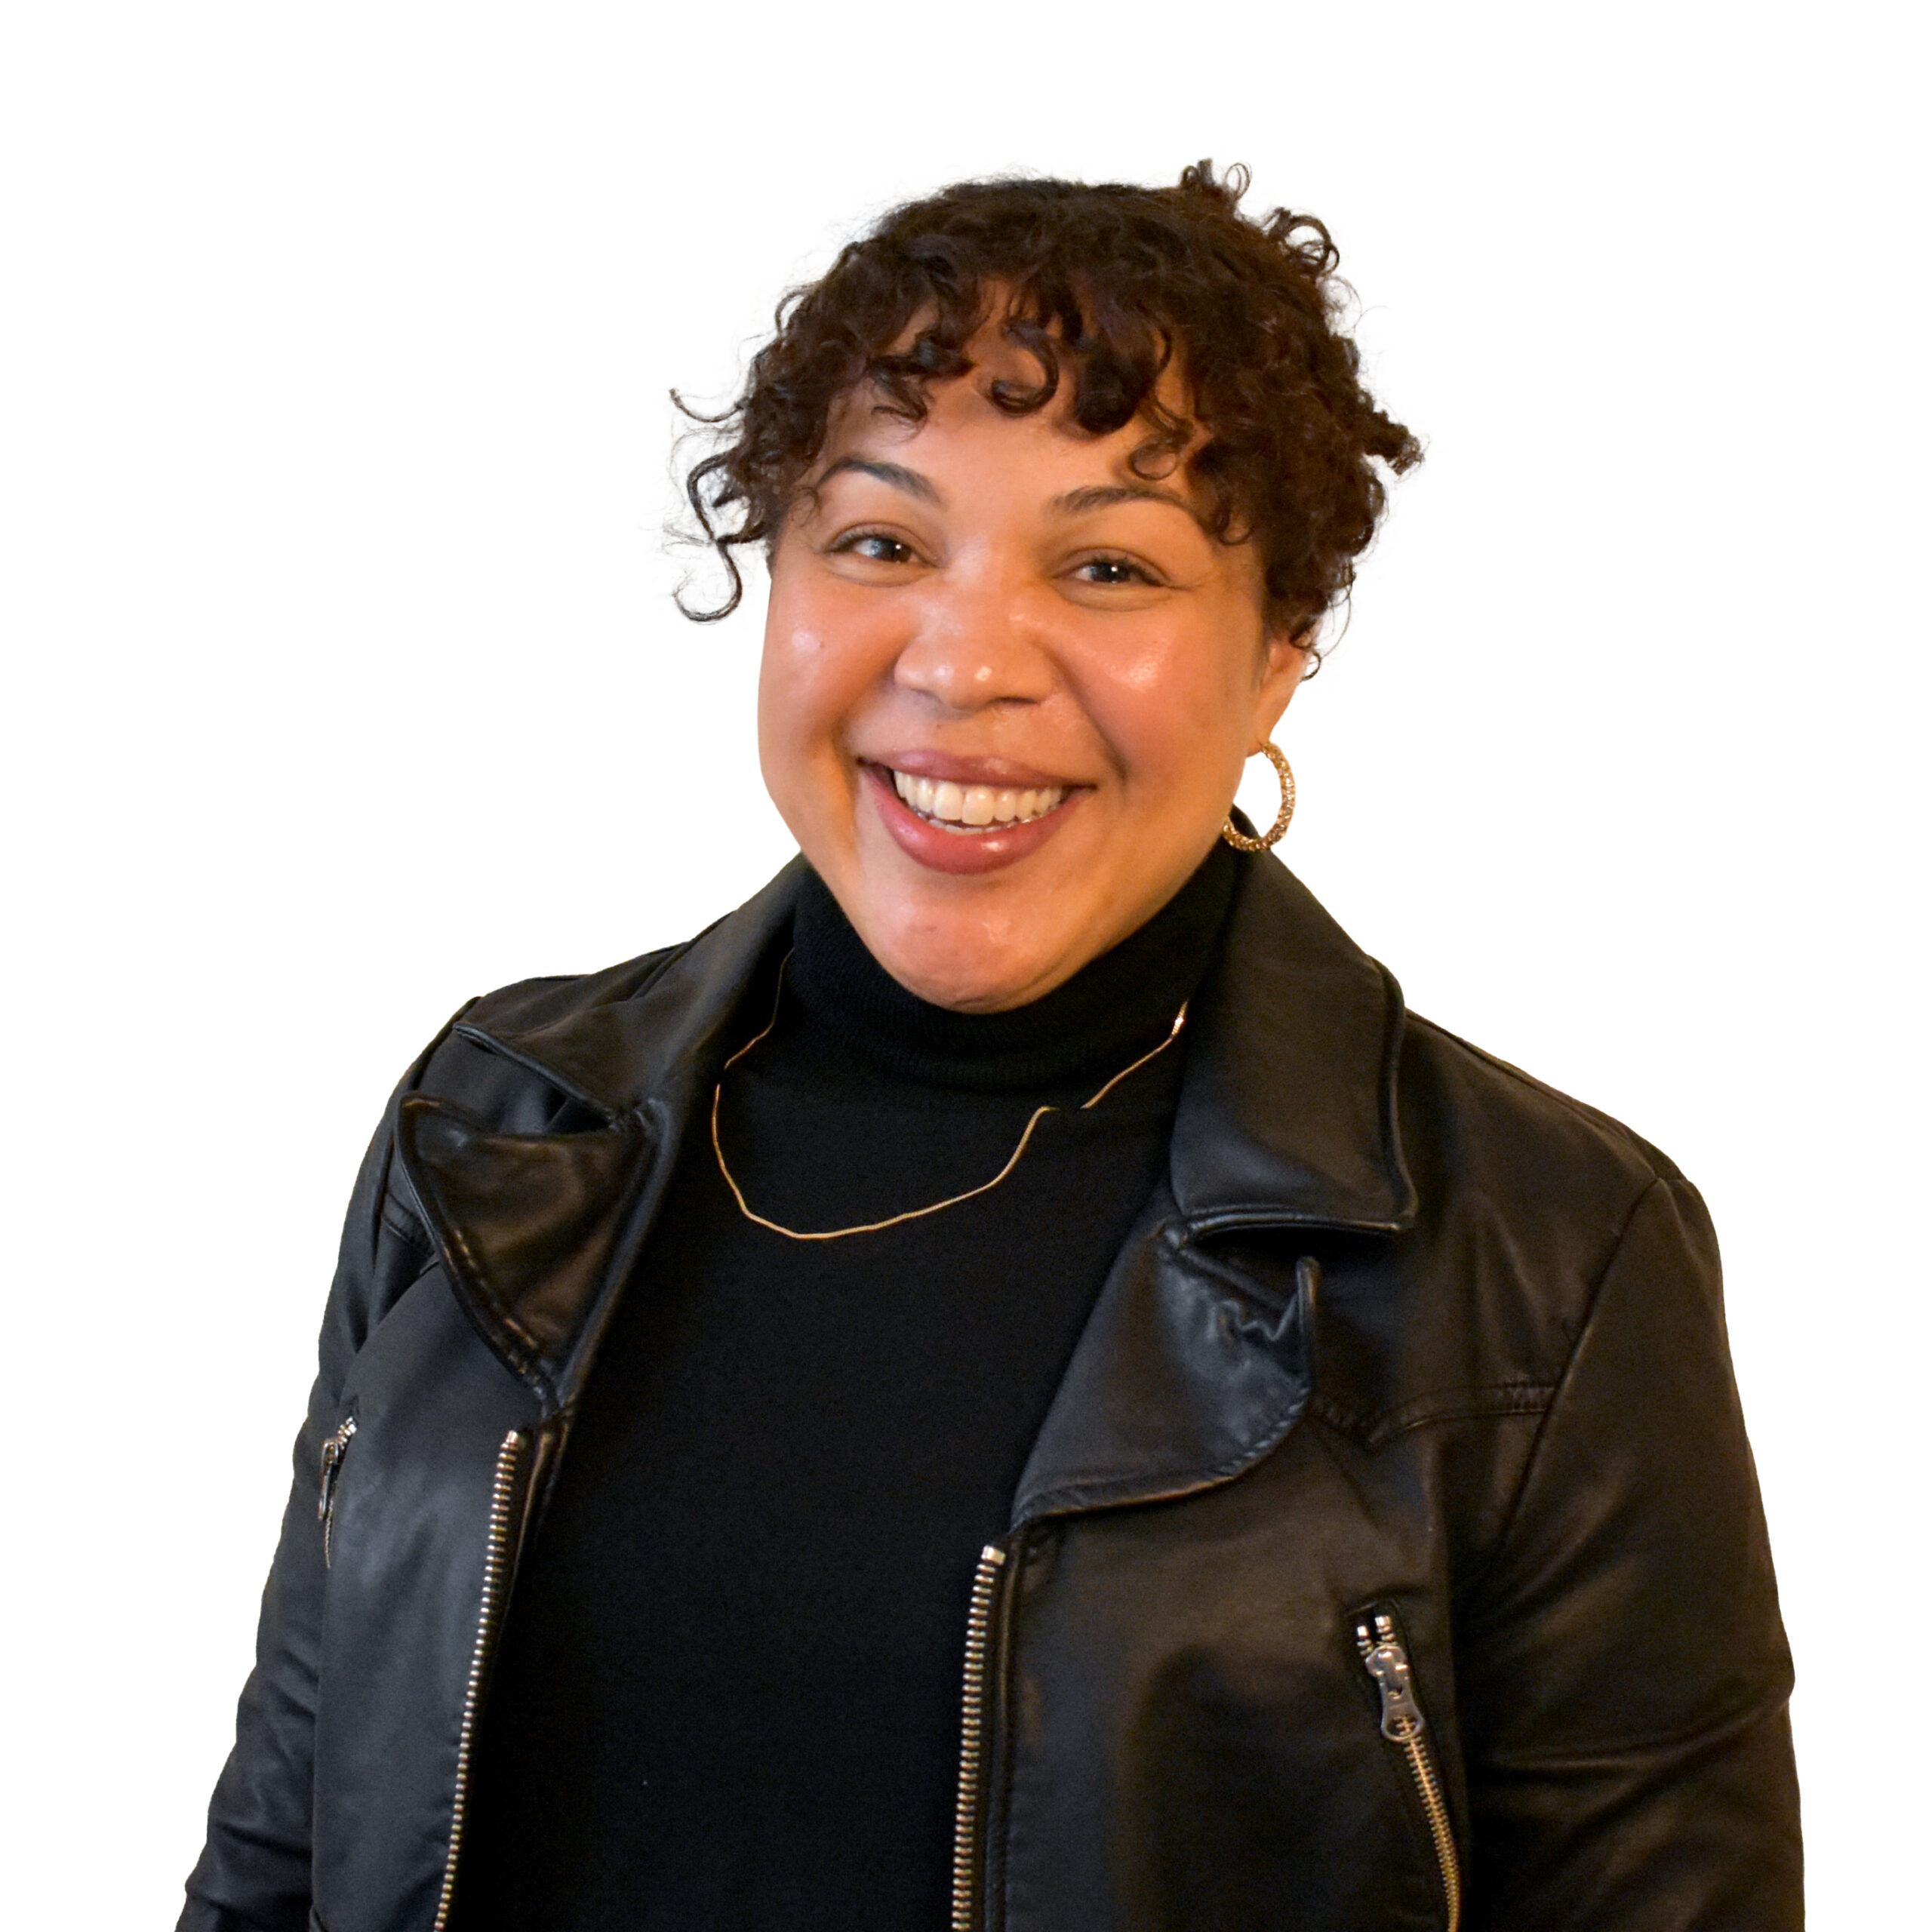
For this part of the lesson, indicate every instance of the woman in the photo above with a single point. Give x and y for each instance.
(1008, 1383)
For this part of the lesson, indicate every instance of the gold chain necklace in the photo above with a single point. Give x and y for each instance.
(911, 1214)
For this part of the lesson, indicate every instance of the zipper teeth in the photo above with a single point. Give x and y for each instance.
(972, 1733)
(1428, 1784)
(496, 1563)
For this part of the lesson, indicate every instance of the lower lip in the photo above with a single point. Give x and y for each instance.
(960, 851)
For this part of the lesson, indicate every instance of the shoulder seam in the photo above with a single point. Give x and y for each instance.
(1655, 1163)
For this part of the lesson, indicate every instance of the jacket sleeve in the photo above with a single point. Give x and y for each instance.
(252, 1874)
(1623, 1671)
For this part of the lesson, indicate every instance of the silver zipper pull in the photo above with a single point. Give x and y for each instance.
(1387, 1662)
(332, 1452)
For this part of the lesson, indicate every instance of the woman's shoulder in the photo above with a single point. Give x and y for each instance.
(1454, 1084)
(617, 1011)
(1525, 1203)
(525, 1005)
(1505, 1164)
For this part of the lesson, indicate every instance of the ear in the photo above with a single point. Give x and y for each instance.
(1283, 665)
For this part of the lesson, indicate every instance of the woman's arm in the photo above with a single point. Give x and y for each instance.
(252, 1875)
(1624, 1672)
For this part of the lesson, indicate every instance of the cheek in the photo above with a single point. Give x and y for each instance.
(802, 673)
(822, 661)
(794, 651)
(1172, 707)
(789, 672)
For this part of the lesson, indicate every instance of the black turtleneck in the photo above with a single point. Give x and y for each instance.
(728, 1695)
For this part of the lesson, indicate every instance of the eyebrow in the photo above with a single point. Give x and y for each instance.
(1071, 503)
(1099, 495)
(894, 474)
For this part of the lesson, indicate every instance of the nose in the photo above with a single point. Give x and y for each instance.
(980, 639)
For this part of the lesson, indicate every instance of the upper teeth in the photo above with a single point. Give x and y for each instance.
(963, 807)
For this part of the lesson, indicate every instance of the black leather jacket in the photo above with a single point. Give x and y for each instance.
(1391, 1555)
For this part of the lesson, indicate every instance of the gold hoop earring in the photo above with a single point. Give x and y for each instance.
(1240, 841)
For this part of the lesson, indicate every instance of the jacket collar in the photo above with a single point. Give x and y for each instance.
(1286, 1113)
(1286, 1119)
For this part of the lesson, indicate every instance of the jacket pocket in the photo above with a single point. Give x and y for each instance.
(1385, 1657)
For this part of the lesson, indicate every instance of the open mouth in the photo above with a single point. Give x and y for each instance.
(966, 809)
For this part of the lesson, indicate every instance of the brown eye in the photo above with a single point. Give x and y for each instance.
(875, 546)
(1113, 569)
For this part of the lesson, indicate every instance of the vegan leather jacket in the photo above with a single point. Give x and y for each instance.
(1391, 1556)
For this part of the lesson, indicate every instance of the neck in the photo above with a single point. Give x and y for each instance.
(1115, 1008)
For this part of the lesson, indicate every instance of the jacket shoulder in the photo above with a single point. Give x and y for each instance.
(1507, 1123)
(526, 1004)
(468, 1066)
(1525, 1197)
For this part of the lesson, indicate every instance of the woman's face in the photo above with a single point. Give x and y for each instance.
(1009, 687)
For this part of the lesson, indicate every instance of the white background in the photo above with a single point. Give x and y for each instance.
(343, 684)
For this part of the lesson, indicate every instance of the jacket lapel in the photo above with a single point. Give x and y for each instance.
(1192, 1367)
(1184, 1376)
(539, 1231)
(533, 1227)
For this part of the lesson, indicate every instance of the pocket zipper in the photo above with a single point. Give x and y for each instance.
(334, 1450)
(1386, 1660)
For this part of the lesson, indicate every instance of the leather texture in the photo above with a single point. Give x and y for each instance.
(1406, 1334)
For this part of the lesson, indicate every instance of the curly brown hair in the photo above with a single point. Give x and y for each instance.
(1123, 283)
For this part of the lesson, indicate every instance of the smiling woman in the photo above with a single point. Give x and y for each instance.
(1008, 1382)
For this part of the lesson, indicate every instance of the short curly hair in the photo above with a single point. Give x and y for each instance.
(1122, 284)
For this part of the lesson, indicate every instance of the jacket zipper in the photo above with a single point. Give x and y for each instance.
(973, 1737)
(496, 1574)
(334, 1450)
(1386, 1660)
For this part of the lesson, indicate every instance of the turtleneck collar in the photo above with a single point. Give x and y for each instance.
(1115, 1008)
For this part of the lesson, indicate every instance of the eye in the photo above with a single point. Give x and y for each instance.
(1112, 570)
(875, 546)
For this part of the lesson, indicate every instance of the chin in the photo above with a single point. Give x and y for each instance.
(951, 963)
(988, 986)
